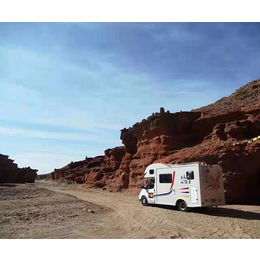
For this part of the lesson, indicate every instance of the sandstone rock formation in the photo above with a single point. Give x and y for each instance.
(10, 173)
(225, 133)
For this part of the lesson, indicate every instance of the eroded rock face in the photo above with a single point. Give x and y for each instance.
(99, 171)
(226, 135)
(238, 129)
(154, 138)
(8, 169)
(10, 173)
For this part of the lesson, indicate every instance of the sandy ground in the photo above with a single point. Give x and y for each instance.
(49, 210)
(27, 211)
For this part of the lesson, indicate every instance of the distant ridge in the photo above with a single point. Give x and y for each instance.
(245, 97)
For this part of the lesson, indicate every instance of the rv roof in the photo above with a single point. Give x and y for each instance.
(162, 165)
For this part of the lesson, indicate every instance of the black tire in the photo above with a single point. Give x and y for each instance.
(144, 201)
(182, 206)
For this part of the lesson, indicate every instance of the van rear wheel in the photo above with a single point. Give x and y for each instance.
(144, 201)
(182, 206)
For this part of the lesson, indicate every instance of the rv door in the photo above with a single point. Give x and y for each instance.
(194, 195)
(165, 189)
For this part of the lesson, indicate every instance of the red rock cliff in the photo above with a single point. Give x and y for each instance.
(226, 132)
(10, 173)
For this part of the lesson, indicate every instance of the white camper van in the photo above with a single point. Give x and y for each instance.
(183, 185)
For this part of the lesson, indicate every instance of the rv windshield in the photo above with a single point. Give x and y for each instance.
(150, 184)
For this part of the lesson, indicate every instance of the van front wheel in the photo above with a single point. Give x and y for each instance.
(144, 201)
(182, 206)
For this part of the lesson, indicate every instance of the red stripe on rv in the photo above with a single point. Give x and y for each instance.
(173, 177)
(184, 188)
(166, 165)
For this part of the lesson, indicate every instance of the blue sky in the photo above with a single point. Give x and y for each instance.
(66, 89)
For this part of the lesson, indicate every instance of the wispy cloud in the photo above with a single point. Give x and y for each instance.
(54, 135)
(176, 33)
(31, 106)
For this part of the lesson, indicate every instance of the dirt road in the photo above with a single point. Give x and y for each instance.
(121, 215)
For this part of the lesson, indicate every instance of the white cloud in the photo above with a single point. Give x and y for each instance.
(80, 107)
(21, 103)
(176, 33)
(53, 135)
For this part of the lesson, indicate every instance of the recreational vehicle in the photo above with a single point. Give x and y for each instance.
(183, 185)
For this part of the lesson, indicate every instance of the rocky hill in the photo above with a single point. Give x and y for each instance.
(225, 133)
(245, 97)
(10, 173)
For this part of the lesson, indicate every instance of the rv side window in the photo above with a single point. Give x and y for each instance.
(190, 175)
(165, 178)
(151, 171)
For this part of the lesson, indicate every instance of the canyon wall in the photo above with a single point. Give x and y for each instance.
(225, 133)
(10, 173)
